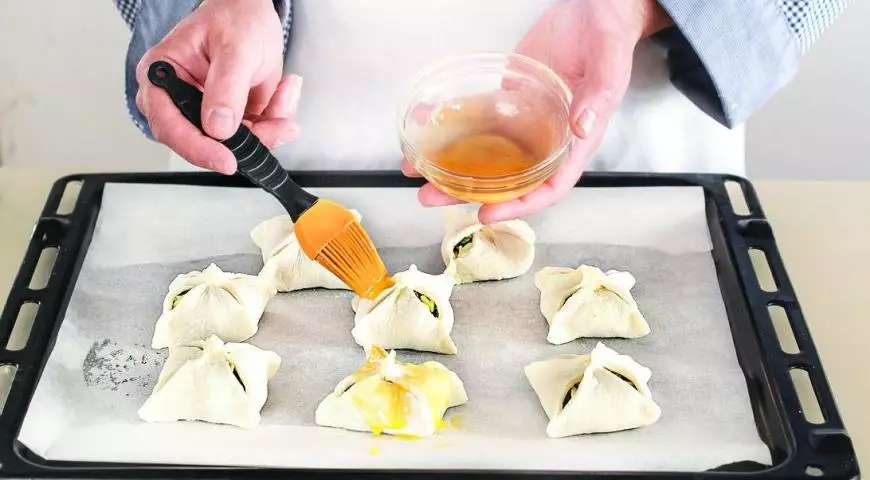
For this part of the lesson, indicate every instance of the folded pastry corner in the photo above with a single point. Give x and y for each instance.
(475, 252)
(586, 302)
(386, 396)
(602, 391)
(284, 262)
(214, 382)
(414, 313)
(211, 302)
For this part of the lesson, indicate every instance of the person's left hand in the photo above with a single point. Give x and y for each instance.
(590, 44)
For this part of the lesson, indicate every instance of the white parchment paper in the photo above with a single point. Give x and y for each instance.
(101, 369)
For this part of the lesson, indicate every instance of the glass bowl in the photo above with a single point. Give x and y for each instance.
(486, 127)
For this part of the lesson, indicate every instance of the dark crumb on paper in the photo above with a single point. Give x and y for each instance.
(132, 370)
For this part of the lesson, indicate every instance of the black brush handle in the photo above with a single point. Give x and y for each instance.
(255, 162)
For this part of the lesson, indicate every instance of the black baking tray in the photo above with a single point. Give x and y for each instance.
(798, 448)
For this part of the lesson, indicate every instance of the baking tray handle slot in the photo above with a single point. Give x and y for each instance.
(37, 300)
(782, 326)
(737, 197)
(823, 445)
(7, 375)
(36, 274)
(66, 204)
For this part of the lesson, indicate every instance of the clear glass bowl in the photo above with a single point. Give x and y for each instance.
(486, 127)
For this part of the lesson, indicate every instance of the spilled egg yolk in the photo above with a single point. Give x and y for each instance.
(432, 384)
(388, 403)
(384, 405)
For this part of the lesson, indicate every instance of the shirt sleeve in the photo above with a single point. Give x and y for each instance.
(150, 21)
(128, 10)
(730, 57)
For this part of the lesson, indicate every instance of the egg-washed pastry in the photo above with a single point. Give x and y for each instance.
(386, 396)
(414, 314)
(211, 302)
(595, 393)
(213, 382)
(474, 252)
(586, 302)
(284, 262)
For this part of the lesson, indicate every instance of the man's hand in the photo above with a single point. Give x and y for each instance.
(232, 50)
(590, 44)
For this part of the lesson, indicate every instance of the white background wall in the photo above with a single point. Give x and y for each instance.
(61, 87)
(61, 97)
(818, 127)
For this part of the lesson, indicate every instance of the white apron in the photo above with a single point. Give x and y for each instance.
(358, 59)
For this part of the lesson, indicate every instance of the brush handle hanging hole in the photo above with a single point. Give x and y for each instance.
(160, 73)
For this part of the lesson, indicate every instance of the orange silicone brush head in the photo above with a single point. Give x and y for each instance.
(331, 235)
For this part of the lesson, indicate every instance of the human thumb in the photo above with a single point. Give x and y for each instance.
(226, 89)
(601, 87)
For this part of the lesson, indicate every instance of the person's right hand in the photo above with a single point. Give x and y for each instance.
(590, 44)
(232, 50)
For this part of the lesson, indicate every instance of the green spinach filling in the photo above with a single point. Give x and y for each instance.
(177, 298)
(430, 304)
(239, 379)
(624, 379)
(462, 246)
(573, 390)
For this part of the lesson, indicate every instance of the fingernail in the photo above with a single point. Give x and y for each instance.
(221, 120)
(278, 144)
(224, 167)
(295, 93)
(586, 121)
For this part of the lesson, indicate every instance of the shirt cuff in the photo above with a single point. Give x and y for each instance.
(729, 58)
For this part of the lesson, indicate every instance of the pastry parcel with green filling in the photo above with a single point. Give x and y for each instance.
(587, 302)
(595, 393)
(414, 314)
(200, 304)
(212, 381)
(475, 252)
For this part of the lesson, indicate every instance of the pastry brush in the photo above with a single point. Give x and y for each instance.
(327, 232)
